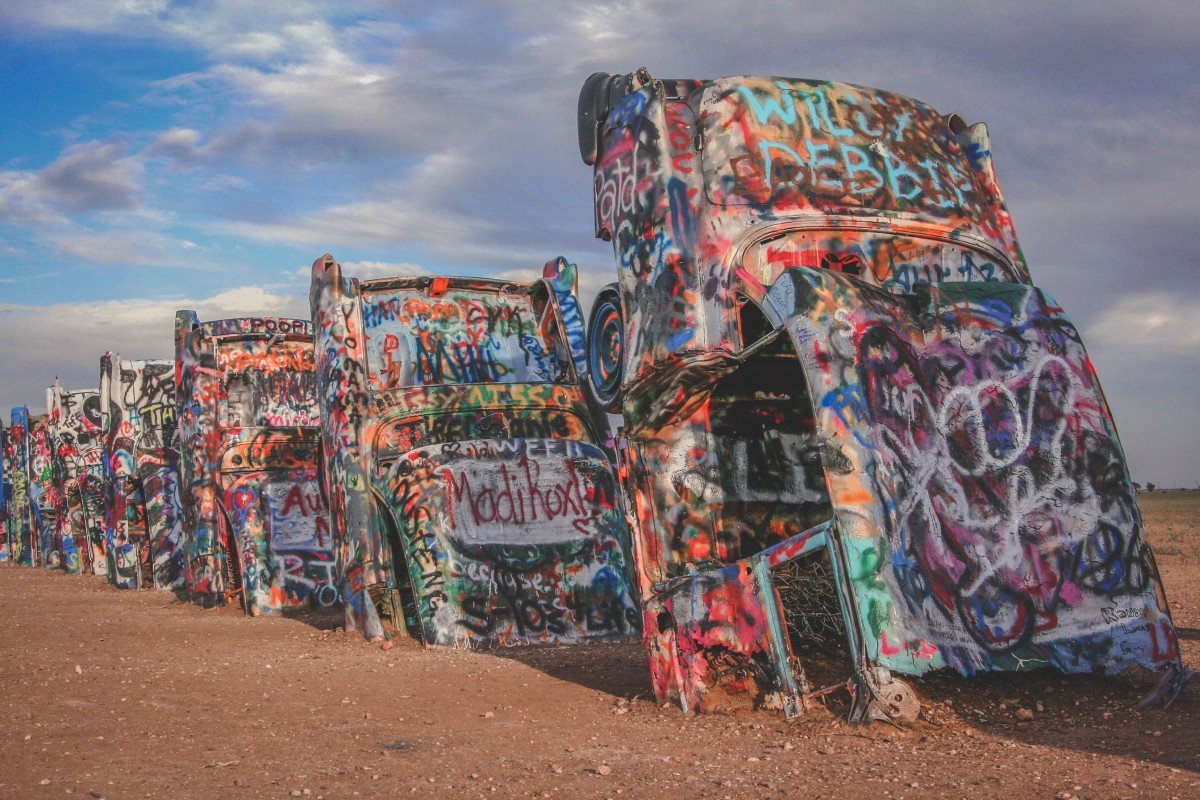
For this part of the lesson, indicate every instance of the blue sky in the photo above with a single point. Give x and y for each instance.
(160, 155)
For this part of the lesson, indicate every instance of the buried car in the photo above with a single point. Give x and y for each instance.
(852, 422)
(465, 472)
(43, 493)
(257, 520)
(20, 530)
(75, 422)
(5, 491)
(140, 458)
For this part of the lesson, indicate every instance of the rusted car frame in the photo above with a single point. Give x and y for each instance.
(257, 519)
(849, 415)
(467, 483)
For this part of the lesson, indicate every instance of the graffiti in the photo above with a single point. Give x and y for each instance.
(824, 321)
(483, 504)
(257, 522)
(139, 467)
(896, 263)
(508, 539)
(5, 491)
(760, 162)
(75, 427)
(266, 384)
(43, 492)
(1008, 528)
(563, 277)
(281, 529)
(834, 146)
(160, 486)
(469, 502)
(416, 340)
(298, 518)
(21, 530)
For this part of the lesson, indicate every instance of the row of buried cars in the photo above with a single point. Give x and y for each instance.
(471, 502)
(857, 442)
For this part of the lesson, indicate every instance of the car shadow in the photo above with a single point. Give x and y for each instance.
(1090, 713)
(616, 668)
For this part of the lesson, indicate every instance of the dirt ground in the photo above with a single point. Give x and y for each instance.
(135, 694)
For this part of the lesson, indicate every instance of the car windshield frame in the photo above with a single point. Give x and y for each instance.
(392, 303)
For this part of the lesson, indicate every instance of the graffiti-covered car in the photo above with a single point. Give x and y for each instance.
(75, 427)
(21, 532)
(257, 520)
(847, 407)
(5, 491)
(464, 471)
(43, 492)
(140, 455)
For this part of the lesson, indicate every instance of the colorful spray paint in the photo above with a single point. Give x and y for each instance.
(471, 501)
(257, 519)
(75, 426)
(43, 491)
(22, 532)
(5, 491)
(826, 351)
(143, 520)
(992, 523)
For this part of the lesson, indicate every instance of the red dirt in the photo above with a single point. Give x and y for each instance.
(135, 694)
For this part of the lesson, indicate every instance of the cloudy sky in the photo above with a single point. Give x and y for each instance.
(159, 155)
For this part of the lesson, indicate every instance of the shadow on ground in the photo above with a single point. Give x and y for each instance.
(615, 668)
(1089, 713)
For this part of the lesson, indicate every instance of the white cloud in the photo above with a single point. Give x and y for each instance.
(83, 15)
(396, 220)
(591, 281)
(1146, 350)
(1156, 325)
(181, 144)
(109, 247)
(39, 342)
(93, 176)
(369, 270)
(381, 269)
(411, 134)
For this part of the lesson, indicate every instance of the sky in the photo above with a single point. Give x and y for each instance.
(161, 155)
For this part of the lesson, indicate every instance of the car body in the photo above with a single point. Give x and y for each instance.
(466, 476)
(22, 534)
(43, 492)
(5, 491)
(257, 520)
(75, 426)
(143, 520)
(845, 401)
